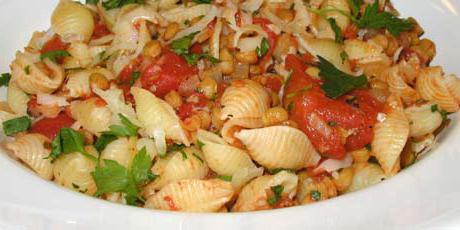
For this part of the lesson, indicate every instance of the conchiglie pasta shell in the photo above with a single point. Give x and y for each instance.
(254, 195)
(17, 100)
(121, 150)
(365, 176)
(72, 21)
(342, 20)
(181, 13)
(453, 85)
(31, 79)
(233, 125)
(279, 147)
(158, 116)
(30, 149)
(390, 136)
(244, 99)
(422, 120)
(399, 87)
(178, 166)
(243, 175)
(93, 116)
(80, 56)
(431, 87)
(192, 196)
(149, 146)
(221, 157)
(73, 171)
(363, 52)
(324, 185)
(78, 84)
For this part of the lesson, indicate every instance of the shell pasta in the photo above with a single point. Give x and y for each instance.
(224, 105)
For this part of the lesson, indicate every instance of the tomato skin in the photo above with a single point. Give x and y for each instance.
(50, 127)
(100, 30)
(186, 110)
(54, 44)
(274, 83)
(272, 37)
(167, 73)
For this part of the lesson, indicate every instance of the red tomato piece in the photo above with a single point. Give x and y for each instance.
(100, 30)
(167, 73)
(50, 127)
(54, 44)
(274, 83)
(272, 37)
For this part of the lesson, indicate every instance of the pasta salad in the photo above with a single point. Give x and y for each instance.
(224, 105)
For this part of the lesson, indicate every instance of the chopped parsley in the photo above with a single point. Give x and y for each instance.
(202, 1)
(344, 56)
(182, 46)
(197, 157)
(134, 76)
(374, 19)
(184, 155)
(27, 69)
(127, 129)
(315, 195)
(263, 48)
(277, 170)
(337, 83)
(298, 92)
(290, 107)
(332, 123)
(355, 6)
(277, 191)
(16, 125)
(5, 79)
(336, 29)
(54, 55)
(444, 113)
(68, 141)
(103, 141)
(113, 177)
(200, 144)
(112, 4)
(225, 178)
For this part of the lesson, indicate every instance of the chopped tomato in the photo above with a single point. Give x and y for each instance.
(50, 127)
(100, 30)
(54, 44)
(196, 49)
(170, 202)
(333, 126)
(274, 83)
(351, 32)
(194, 102)
(167, 73)
(238, 18)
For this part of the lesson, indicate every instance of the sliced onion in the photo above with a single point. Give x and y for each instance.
(251, 5)
(200, 25)
(246, 29)
(249, 43)
(48, 99)
(331, 165)
(214, 42)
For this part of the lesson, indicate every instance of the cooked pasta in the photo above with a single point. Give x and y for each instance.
(224, 106)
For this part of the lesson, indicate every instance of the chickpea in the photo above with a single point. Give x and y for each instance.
(152, 49)
(173, 99)
(360, 155)
(227, 64)
(255, 69)
(286, 15)
(209, 87)
(248, 57)
(98, 80)
(274, 116)
(205, 119)
(171, 31)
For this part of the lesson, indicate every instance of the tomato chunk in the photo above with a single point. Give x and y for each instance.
(54, 44)
(167, 73)
(100, 30)
(50, 127)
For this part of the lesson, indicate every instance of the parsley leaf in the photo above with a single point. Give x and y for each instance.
(134, 76)
(198, 157)
(200, 144)
(336, 29)
(374, 19)
(181, 47)
(298, 92)
(315, 195)
(16, 125)
(202, 1)
(54, 55)
(92, 2)
(103, 141)
(355, 6)
(113, 177)
(277, 170)
(127, 129)
(112, 4)
(68, 141)
(444, 113)
(5, 79)
(277, 191)
(263, 48)
(337, 83)
(225, 178)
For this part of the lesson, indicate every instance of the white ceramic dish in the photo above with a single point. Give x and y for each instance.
(427, 195)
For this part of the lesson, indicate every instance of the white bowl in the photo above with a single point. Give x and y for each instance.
(426, 195)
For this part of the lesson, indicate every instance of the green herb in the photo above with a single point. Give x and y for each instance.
(343, 56)
(103, 141)
(27, 69)
(298, 92)
(290, 107)
(184, 155)
(368, 147)
(277, 191)
(225, 178)
(113, 177)
(112, 4)
(277, 170)
(200, 144)
(5, 79)
(202, 1)
(291, 7)
(192, 59)
(16, 125)
(374, 19)
(54, 55)
(176, 147)
(332, 123)
(336, 29)
(134, 76)
(181, 47)
(75, 186)
(337, 83)
(263, 48)
(355, 6)
(91, 2)
(127, 129)
(197, 157)
(68, 141)
(315, 195)
(444, 113)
